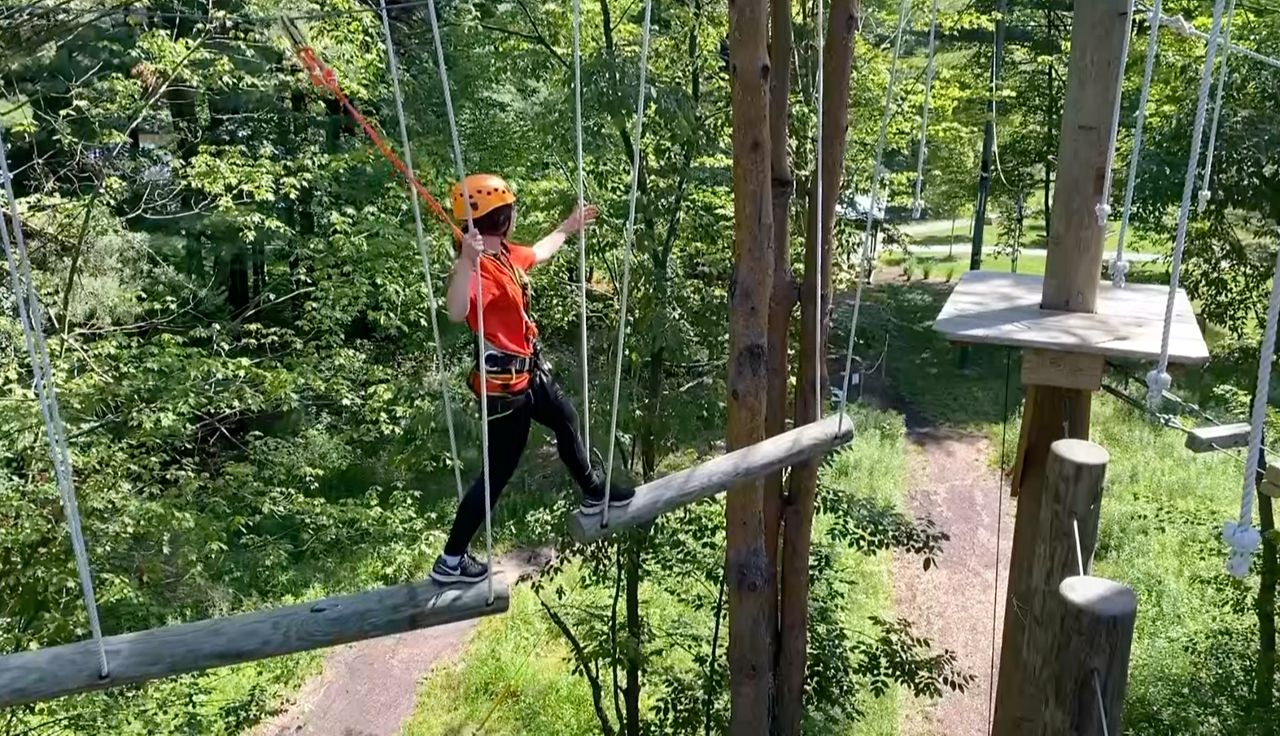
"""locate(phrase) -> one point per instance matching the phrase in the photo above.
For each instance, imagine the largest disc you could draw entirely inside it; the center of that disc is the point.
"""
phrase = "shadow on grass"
(922, 366)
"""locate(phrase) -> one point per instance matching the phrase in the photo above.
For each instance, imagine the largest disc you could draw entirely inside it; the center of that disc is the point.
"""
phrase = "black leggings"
(545, 404)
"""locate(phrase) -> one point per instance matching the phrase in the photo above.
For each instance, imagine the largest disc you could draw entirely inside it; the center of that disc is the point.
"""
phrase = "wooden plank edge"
(584, 528)
(1203, 439)
(54, 672)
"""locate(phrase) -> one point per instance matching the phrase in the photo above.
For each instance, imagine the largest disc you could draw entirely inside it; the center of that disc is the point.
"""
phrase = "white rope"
(1119, 266)
(424, 251)
(820, 32)
(629, 238)
(904, 12)
(1205, 192)
(1240, 536)
(29, 314)
(1183, 27)
(1075, 530)
(1102, 706)
(582, 231)
(1103, 208)
(917, 204)
(480, 341)
(1158, 379)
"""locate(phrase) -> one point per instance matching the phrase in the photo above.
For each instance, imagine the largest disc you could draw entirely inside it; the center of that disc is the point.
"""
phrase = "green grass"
(514, 678)
(938, 233)
(874, 467)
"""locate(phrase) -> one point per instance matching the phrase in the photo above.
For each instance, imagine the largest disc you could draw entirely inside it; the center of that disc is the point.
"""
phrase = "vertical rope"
(29, 314)
(904, 12)
(424, 251)
(819, 211)
(1158, 380)
(917, 204)
(480, 341)
(629, 238)
(1205, 192)
(582, 232)
(1103, 208)
(1240, 536)
(1120, 267)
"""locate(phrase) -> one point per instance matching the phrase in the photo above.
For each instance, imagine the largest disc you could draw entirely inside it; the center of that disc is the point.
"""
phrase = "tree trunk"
(634, 656)
(237, 278)
(782, 300)
(746, 561)
(798, 514)
(1265, 686)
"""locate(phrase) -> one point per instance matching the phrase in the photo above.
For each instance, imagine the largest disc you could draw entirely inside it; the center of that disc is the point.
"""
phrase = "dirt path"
(370, 688)
(954, 483)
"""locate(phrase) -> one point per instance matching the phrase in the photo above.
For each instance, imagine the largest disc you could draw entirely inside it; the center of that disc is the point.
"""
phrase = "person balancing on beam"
(520, 386)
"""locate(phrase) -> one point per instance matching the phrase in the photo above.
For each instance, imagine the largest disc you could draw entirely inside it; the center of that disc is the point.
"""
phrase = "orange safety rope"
(322, 76)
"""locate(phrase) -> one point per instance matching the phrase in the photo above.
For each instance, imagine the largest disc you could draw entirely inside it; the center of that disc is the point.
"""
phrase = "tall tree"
(801, 501)
(746, 560)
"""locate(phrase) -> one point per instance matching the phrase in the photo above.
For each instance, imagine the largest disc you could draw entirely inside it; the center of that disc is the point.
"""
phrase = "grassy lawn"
(939, 233)
(517, 674)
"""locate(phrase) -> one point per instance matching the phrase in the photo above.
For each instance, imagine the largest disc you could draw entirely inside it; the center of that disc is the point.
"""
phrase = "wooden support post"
(1088, 683)
(1029, 655)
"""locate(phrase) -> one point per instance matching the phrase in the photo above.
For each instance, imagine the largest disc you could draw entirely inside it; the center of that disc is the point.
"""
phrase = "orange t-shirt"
(504, 283)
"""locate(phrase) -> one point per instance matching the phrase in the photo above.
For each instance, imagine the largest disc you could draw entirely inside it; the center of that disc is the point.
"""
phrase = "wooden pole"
(49, 673)
(1071, 279)
(746, 565)
(1088, 685)
(1029, 656)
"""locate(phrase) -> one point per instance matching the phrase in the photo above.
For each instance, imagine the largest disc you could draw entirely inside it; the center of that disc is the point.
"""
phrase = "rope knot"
(1205, 196)
(916, 207)
(1243, 540)
(1103, 210)
(1158, 382)
(1119, 268)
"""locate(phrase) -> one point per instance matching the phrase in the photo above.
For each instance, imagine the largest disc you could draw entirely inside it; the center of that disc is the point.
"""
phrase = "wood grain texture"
(43, 674)
(1064, 370)
(727, 471)
(1222, 437)
(1095, 636)
(812, 377)
(1071, 497)
(747, 580)
(994, 308)
(1075, 242)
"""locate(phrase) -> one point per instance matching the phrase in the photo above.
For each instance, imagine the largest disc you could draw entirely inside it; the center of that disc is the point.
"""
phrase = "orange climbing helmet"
(487, 193)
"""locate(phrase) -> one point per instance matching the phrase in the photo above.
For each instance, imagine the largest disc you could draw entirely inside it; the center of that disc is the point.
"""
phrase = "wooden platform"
(43, 674)
(993, 308)
(705, 480)
(1218, 437)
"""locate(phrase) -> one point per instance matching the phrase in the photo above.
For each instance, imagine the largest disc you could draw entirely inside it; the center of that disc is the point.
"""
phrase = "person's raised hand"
(472, 247)
(580, 219)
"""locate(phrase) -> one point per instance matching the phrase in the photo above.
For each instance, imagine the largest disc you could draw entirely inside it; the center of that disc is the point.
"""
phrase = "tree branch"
(580, 654)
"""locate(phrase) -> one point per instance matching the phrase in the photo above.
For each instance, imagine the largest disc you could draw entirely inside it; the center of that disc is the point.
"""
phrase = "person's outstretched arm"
(458, 299)
(545, 249)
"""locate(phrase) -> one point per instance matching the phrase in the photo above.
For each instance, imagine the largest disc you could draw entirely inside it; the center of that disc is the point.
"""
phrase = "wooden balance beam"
(703, 481)
(44, 674)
